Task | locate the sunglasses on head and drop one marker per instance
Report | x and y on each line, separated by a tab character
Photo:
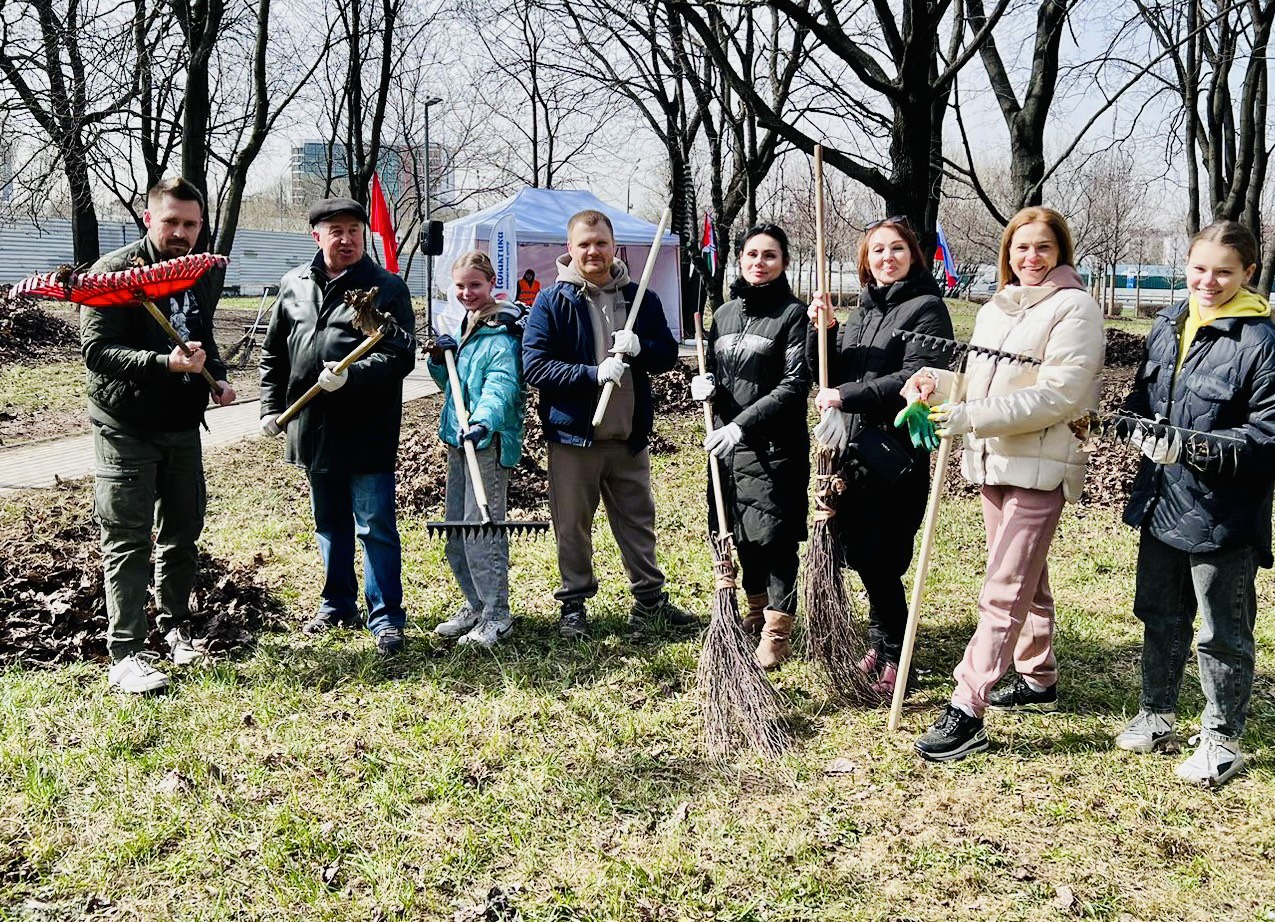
894	219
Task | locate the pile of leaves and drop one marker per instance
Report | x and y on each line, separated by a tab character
52	608
1112	466
31	335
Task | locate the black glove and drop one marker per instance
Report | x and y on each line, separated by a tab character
443	344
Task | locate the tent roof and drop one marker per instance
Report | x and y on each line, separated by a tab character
542	216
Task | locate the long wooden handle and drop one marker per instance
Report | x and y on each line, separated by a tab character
359	351
645	283
471	453
923	563
714	462
821	254
155	312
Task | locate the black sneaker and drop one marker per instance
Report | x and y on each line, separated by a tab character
658	613
330	621
572	623
390	642
955	735
1020	696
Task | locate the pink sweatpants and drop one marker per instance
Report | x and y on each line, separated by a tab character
1016	609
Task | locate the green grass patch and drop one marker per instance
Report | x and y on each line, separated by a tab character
308	780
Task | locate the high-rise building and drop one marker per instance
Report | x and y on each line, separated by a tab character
316	166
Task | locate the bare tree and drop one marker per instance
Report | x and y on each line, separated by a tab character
1108	211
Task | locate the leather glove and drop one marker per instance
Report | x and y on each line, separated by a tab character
626	341
331	381
723	441
952	419
270	427
703	387
611	369
833	430
442	344
475	433
916	416
1163	449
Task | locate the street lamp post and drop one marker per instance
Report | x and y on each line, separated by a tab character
429	257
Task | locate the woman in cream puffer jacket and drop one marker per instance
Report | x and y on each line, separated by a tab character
1020	451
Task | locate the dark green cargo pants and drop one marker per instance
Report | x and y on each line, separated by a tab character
144	484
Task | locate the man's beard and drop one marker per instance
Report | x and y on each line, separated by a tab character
174	248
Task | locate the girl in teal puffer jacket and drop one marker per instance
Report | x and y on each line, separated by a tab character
490	374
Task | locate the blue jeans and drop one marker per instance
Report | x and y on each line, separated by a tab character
346	505
1172	585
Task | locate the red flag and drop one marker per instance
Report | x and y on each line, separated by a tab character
383	225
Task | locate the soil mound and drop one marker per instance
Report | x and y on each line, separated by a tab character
31	335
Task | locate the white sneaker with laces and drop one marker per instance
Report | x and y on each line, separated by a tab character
486	634
1148	732
460	623
137	674
182	648
1213	762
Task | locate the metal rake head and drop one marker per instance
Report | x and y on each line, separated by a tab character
959	349
1204	450
514	529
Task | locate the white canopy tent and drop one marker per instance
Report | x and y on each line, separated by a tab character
533	224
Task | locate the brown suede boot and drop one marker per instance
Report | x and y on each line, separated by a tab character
756	617
774	648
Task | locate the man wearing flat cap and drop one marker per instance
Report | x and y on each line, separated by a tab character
346	438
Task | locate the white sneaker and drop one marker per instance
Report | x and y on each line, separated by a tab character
1148	732
486	634
182	647
460	623
1213	763
137	674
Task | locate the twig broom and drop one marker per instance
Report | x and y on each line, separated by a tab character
738	704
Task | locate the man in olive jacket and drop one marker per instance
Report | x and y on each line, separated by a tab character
346	439
146	401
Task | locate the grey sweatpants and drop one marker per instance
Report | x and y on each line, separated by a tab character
481	565
578	478
156	481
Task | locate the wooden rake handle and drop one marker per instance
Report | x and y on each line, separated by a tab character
360	350
714	464
155	312
471	453
821	268
647	272
923	561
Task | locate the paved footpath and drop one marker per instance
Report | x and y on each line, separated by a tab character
42	464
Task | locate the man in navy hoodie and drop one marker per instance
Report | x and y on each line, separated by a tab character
573	327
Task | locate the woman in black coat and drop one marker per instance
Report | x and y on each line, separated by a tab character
759	382
887	477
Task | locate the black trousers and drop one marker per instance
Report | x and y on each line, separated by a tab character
876	526
771	568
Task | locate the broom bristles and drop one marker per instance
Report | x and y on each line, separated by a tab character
738	704
832	637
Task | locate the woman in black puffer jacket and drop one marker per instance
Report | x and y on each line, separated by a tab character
883	505
759	382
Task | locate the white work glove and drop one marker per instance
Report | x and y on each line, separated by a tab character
1164	449
611	369
626	341
833	431
270	427
331	381
952	419
723	441
703	387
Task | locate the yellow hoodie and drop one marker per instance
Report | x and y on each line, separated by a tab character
1244	304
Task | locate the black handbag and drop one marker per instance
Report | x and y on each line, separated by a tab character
873	453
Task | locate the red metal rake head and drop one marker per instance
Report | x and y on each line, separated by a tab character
124	288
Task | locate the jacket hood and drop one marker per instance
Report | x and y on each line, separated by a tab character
504	315
569	273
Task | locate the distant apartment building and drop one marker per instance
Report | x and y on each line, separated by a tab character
402	174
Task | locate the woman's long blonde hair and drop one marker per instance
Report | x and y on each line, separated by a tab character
1056	223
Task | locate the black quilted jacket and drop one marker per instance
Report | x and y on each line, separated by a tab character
755	348
1226	385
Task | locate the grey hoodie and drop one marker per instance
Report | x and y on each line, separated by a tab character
607	313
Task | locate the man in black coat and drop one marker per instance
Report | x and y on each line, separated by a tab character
346	439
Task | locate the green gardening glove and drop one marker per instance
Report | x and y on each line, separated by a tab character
916	416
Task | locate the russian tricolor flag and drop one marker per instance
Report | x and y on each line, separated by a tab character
944	253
